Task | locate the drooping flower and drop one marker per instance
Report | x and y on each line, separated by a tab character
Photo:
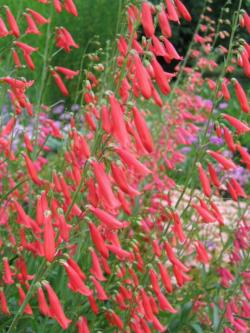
55	307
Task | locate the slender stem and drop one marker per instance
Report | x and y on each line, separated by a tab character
200	152
187	56
43	80
29	294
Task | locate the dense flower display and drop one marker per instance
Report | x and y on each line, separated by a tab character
127	211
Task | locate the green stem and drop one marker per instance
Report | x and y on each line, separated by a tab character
187	56
29	294
200	152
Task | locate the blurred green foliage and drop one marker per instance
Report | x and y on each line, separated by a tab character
96	18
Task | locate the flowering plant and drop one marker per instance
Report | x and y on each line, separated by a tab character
127	213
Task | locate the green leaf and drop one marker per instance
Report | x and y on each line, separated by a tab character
216	317
197	327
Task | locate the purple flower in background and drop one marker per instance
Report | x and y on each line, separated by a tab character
192	139
75	107
208	104
223	106
65	116
185	150
241	174
58	109
216	141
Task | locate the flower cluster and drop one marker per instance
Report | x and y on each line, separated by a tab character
137	221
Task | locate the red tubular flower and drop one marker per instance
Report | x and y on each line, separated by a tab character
240	127
7	274
132	162
65	40
25	219
165	277
58	6
180	276
90	121
238	189
157	48
225	162
134	276
59	83
49	237
207	216
157	325
64	228
144	326
37	17
42	303
76	267
142	77
147	306
124	203
32	27
27	309
183	11
28	143
213	175
147	20
70	7
164	303
3	29
120	253
69	74
156	248
101	294
29	61
202	255
177	228
164	23
154	305
232	192
171	51
96	269
244	155
225	91
138	143
8	127
93	304
121	181
106	123
75	281
246	19
154	281
98	240
160	77
241	96
118	123
32	171
172	12
55	307
217	213
143	130
204	181
229	139
245	63
104	186
108	220
82	325
14	30
3	301
173	259
114	319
